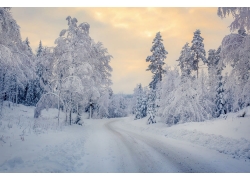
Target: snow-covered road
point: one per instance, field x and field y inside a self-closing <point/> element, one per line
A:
<point x="104" y="145"/>
<point x="114" y="148"/>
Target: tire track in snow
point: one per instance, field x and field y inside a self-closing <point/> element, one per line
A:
<point x="161" y="155"/>
<point x="145" y="157"/>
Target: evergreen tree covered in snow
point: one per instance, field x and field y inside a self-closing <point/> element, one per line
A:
<point x="220" y="99"/>
<point x="184" y="100"/>
<point x="27" y="43"/>
<point x="31" y="94"/>
<point x="151" y="110"/>
<point x="43" y="72"/>
<point x="140" y="108"/>
<point x="229" y="92"/>
<point x="144" y="102"/>
<point x="213" y="60"/>
<point x="198" y="51"/>
<point x="40" y="49"/>
<point x="186" y="61"/>
<point x="16" y="63"/>
<point x="156" y="60"/>
<point x="158" y="96"/>
<point x="215" y="67"/>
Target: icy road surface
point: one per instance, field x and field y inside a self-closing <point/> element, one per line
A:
<point x="112" y="148"/>
<point x="108" y="146"/>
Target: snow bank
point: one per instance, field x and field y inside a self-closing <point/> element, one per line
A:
<point x="40" y="145"/>
<point x="228" y="134"/>
<point x="37" y="145"/>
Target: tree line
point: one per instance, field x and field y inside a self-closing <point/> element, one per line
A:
<point x="187" y="93"/>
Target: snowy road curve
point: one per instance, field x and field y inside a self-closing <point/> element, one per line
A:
<point x="111" y="146"/>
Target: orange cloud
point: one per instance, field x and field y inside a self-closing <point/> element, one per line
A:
<point x="127" y="33"/>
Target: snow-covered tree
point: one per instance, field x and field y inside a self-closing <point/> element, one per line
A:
<point x="220" y="99"/>
<point x="231" y="46"/>
<point x="186" y="61"/>
<point x="204" y="96"/>
<point x="182" y="97"/>
<point x="16" y="64"/>
<point x="118" y="106"/>
<point x="81" y="71"/>
<point x="158" y="95"/>
<point x="235" y="52"/>
<point x="241" y="16"/>
<point x="101" y="110"/>
<point x="27" y="43"/>
<point x="198" y="51"/>
<point x="156" y="60"/>
<point x="212" y="62"/>
<point x="151" y="110"/>
<point x="215" y="67"/>
<point x="184" y="104"/>
<point x="169" y="83"/>
<point x="141" y="106"/>
<point x="40" y="49"/>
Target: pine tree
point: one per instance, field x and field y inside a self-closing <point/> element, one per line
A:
<point x="156" y="59"/>
<point x="40" y="49"/>
<point x="184" y="100"/>
<point x="140" y="108"/>
<point x="198" y="51"/>
<point x="144" y="103"/>
<point x="186" y="61"/>
<point x="215" y="67"/>
<point x="30" y="96"/>
<point x="27" y="42"/>
<point x="220" y="100"/>
<point x="16" y="63"/>
<point x="151" y="107"/>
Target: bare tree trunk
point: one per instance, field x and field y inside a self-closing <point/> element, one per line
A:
<point x="58" y="106"/>
<point x="66" y="115"/>
<point x="70" y="108"/>
<point x="2" y="92"/>
<point x="16" y="93"/>
<point x="70" y="116"/>
<point x="90" y="112"/>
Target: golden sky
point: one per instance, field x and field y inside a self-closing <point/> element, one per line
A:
<point x="127" y="33"/>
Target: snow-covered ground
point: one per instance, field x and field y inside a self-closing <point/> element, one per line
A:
<point x="229" y="134"/>
<point x="121" y="145"/>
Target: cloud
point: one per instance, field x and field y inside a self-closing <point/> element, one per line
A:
<point x="127" y="33"/>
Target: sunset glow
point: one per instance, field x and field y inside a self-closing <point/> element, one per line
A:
<point x="127" y="33"/>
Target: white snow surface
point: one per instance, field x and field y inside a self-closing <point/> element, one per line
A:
<point x="121" y="144"/>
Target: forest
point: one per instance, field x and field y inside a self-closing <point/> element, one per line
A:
<point x="74" y="76"/>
